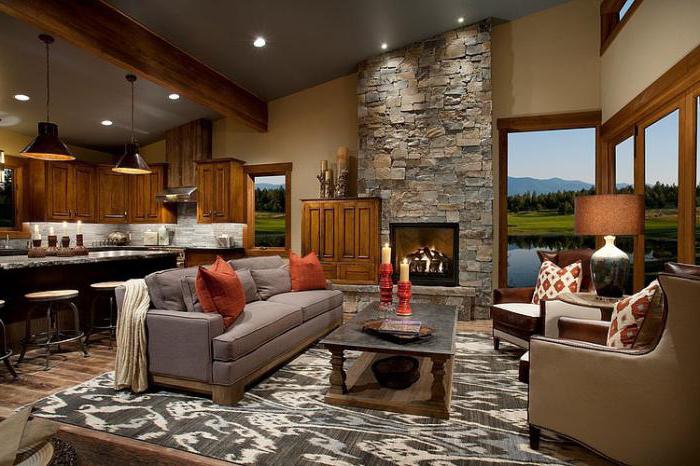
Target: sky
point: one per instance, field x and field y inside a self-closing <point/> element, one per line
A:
<point x="570" y="154"/>
<point x="277" y="179"/>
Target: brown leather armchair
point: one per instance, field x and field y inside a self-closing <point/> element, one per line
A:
<point x="516" y="319"/>
<point x="635" y="406"/>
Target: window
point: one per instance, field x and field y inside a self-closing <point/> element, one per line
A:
<point x="613" y="16"/>
<point x="269" y="215"/>
<point x="624" y="184"/>
<point x="11" y="199"/>
<point x="544" y="163"/>
<point x="8" y="211"/>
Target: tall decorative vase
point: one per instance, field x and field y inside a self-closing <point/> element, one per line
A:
<point x="386" y="286"/>
<point x="404" y="293"/>
<point x="609" y="268"/>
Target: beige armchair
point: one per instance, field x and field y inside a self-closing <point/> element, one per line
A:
<point x="638" y="406"/>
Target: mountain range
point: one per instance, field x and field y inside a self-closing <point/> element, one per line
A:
<point x="268" y="186"/>
<point x="550" y="185"/>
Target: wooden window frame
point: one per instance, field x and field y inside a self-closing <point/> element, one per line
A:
<point x="677" y="88"/>
<point x="610" y="22"/>
<point x="268" y="169"/>
<point x="19" y="230"/>
<point x="553" y="122"/>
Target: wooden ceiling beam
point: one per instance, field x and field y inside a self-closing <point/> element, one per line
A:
<point x="101" y="29"/>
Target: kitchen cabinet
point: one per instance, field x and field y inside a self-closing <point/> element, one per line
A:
<point x="220" y="195"/>
<point x="143" y="205"/>
<point x="344" y="234"/>
<point x="62" y="191"/>
<point x="112" y="196"/>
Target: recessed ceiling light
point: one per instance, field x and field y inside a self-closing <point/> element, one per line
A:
<point x="106" y="122"/>
<point x="174" y="96"/>
<point x="460" y="20"/>
<point x="21" y="97"/>
<point x="259" y="42"/>
<point x="384" y="46"/>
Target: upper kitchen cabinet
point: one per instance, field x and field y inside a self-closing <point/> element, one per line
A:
<point x="132" y="198"/>
<point x="62" y="191"/>
<point x="220" y="196"/>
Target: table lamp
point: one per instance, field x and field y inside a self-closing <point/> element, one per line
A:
<point x="608" y="215"/>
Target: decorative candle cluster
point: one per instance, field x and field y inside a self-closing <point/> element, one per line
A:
<point x="339" y="187"/>
<point x="386" y="285"/>
<point x="52" y="248"/>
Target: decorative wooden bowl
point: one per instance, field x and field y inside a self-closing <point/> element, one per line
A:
<point x="396" y="372"/>
<point x="372" y="327"/>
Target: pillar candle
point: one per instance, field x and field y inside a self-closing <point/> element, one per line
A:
<point x="403" y="275"/>
<point x="324" y="166"/>
<point x="386" y="254"/>
<point x="342" y="158"/>
<point x="329" y="175"/>
<point x="79" y="227"/>
<point x="36" y="235"/>
<point x="52" y="232"/>
<point x="64" y="228"/>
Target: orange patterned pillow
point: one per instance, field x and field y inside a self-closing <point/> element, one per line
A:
<point x="554" y="280"/>
<point x="629" y="314"/>
<point x="220" y="290"/>
<point x="306" y="272"/>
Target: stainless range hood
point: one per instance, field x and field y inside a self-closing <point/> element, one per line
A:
<point x="179" y="194"/>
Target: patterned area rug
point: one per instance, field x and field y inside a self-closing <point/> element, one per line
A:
<point x="283" y="420"/>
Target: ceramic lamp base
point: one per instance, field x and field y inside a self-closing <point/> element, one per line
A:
<point x="404" y="292"/>
<point x="609" y="269"/>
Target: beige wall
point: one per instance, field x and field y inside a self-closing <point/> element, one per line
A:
<point x="303" y="128"/>
<point x="154" y="152"/>
<point x="12" y="142"/>
<point x="548" y="62"/>
<point x="657" y="35"/>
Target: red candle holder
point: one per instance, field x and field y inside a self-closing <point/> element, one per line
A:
<point x="386" y="285"/>
<point x="404" y="292"/>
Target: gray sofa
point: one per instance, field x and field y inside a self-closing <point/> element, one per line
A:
<point x="189" y="349"/>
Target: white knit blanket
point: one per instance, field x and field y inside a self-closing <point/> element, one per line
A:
<point x="131" y="365"/>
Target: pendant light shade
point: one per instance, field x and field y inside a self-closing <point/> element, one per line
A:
<point x="131" y="163"/>
<point x="47" y="145"/>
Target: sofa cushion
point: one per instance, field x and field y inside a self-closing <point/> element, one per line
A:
<point x="165" y="288"/>
<point x="257" y="263"/>
<point x="219" y="290"/>
<point x="522" y="318"/>
<point x="306" y="272"/>
<point x="313" y="302"/>
<point x="553" y="280"/>
<point x="190" y="295"/>
<point x="270" y="282"/>
<point x="260" y="322"/>
<point x="629" y="315"/>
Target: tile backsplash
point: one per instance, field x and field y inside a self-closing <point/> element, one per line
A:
<point x="186" y="232"/>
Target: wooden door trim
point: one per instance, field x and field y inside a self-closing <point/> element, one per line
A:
<point x="610" y="22"/>
<point x="249" y="174"/>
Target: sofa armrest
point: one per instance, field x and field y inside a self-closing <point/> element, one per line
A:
<point x="592" y="331"/>
<point x="513" y="295"/>
<point x="180" y="343"/>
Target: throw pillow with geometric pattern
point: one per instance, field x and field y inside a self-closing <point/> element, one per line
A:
<point x="628" y="316"/>
<point x="554" y="280"/>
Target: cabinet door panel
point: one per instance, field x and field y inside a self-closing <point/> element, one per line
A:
<point x="355" y="273"/>
<point x="139" y="190"/>
<point x="347" y="232"/>
<point x="311" y="235"/>
<point x="84" y="193"/>
<point x="364" y="231"/>
<point x="205" y="189"/>
<point x="59" y="191"/>
<point x="328" y="232"/>
<point x="113" y="196"/>
<point x="222" y="192"/>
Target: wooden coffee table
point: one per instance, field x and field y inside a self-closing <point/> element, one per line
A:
<point x="429" y="396"/>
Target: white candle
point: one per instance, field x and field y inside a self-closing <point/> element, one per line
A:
<point x="403" y="275"/>
<point x="79" y="227"/>
<point x="37" y="235"/>
<point x="64" y="228"/>
<point x="51" y="232"/>
<point x="386" y="254"/>
<point x="324" y="166"/>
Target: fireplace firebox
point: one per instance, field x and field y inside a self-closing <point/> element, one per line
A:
<point x="432" y="251"/>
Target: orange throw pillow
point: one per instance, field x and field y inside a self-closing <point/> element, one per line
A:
<point x="220" y="290"/>
<point x="306" y="272"/>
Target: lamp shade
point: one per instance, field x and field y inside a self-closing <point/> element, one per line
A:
<point x="609" y="214"/>
<point x="131" y="163"/>
<point x="46" y="145"/>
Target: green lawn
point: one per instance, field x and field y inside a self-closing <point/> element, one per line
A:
<point x="269" y="229"/>
<point x="659" y="223"/>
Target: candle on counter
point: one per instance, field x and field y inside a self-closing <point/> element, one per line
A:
<point x="52" y="232"/>
<point x="403" y="272"/>
<point x="329" y="175"/>
<point x="36" y="235"/>
<point x="342" y="158"/>
<point x="386" y="254"/>
<point x="324" y="166"/>
<point x="79" y="227"/>
<point x="64" y="228"/>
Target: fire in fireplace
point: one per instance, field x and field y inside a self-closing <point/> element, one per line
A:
<point x="432" y="250"/>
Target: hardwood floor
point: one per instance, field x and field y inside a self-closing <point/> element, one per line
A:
<point x="69" y="368"/>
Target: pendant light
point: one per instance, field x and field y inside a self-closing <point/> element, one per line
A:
<point x="47" y="145"/>
<point x="131" y="163"/>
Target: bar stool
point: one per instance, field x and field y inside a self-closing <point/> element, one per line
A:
<point x="103" y="290"/>
<point x="5" y="351"/>
<point x="52" y="301"/>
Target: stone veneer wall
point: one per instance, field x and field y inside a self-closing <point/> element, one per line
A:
<point x="425" y="142"/>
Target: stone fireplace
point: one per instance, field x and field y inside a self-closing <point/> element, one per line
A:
<point x="431" y="249"/>
<point x="424" y="115"/>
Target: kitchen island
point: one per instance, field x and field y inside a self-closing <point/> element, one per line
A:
<point x="20" y="275"/>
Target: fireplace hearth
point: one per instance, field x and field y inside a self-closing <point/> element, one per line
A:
<point x="432" y="251"/>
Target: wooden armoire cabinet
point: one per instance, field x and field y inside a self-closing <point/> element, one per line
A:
<point x="344" y="234"/>
<point x="220" y="194"/>
<point x="62" y="191"/>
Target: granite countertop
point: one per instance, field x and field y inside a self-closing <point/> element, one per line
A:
<point x="22" y="262"/>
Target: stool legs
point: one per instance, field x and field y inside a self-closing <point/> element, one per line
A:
<point x="27" y="335"/>
<point x="5" y="352"/>
<point x="76" y="317"/>
<point x="111" y="325"/>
